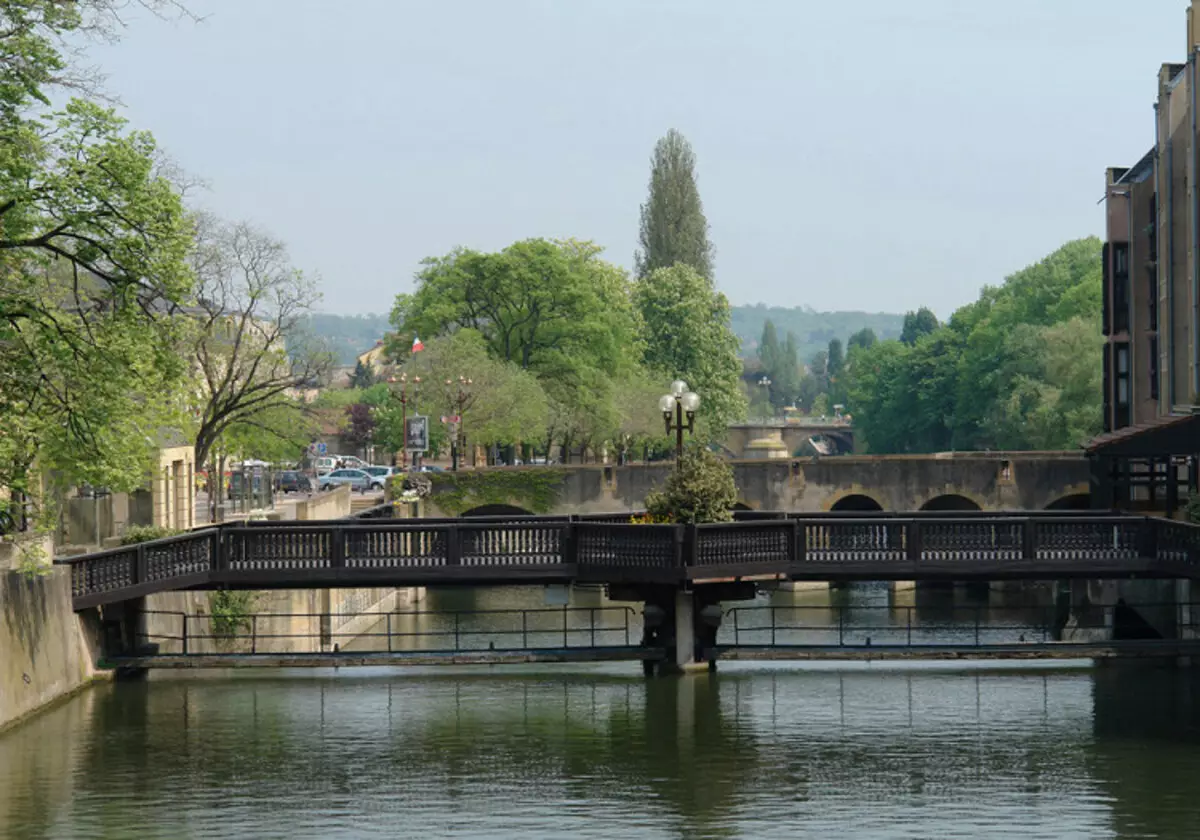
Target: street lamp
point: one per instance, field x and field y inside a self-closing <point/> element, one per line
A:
<point x="765" y="384"/>
<point x="461" y="399"/>
<point x="404" y="400"/>
<point x="675" y="406"/>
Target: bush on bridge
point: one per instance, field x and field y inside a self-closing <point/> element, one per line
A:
<point x="700" y="489"/>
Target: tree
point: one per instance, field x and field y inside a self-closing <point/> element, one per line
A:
<point x="363" y="376"/>
<point x="686" y="327"/>
<point x="247" y="343"/>
<point x="535" y="303"/>
<point x="916" y="324"/>
<point x="834" y="360"/>
<point x="673" y="228"/>
<point x="768" y="348"/>
<point x="863" y="338"/>
<point x="92" y="247"/>
<point x="700" y="489"/>
<point x="504" y="404"/>
<point x="361" y="424"/>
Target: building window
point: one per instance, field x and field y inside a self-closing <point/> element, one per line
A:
<point x="1152" y="229"/>
<point x="1121" y="397"/>
<point x="1120" y="287"/>
<point x="1153" y="367"/>
<point x="1108" y="389"/>
<point x="1153" y="307"/>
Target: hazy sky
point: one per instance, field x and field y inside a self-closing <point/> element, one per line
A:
<point x="873" y="154"/>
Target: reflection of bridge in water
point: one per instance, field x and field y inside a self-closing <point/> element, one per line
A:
<point x="1088" y="753"/>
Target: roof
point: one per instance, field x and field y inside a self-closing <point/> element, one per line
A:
<point x="1139" y="172"/>
<point x="1177" y="434"/>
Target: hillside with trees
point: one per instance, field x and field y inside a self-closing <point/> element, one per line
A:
<point x="812" y="330"/>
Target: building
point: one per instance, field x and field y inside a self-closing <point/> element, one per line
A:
<point x="1147" y="457"/>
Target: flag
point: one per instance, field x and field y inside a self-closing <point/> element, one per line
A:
<point x="417" y="345"/>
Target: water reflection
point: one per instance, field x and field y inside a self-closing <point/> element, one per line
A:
<point x="593" y="752"/>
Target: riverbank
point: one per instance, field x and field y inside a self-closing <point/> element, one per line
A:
<point x="47" y="652"/>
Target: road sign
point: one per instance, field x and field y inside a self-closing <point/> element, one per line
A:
<point x="416" y="434"/>
<point x="317" y="448"/>
<point x="453" y="418"/>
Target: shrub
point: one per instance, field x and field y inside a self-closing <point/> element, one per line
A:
<point x="1192" y="511"/>
<point x="135" y="534"/>
<point x="700" y="489"/>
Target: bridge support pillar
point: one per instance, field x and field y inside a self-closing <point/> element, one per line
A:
<point x="123" y="631"/>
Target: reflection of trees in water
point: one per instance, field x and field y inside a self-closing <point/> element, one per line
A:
<point x="693" y="753"/>
<point x="1146" y="753"/>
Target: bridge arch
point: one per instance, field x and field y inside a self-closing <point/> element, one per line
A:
<point x="1072" y="501"/>
<point x="497" y="510"/>
<point x="951" y="502"/>
<point x="856" y="502"/>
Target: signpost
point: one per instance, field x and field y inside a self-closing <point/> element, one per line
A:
<point x="416" y="434"/>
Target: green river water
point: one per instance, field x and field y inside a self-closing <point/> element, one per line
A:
<point x="865" y="750"/>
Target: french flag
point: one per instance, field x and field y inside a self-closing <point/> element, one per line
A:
<point x="417" y="345"/>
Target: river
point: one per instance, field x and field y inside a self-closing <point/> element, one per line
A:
<point x="867" y="750"/>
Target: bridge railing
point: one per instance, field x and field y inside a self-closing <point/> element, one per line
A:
<point x="562" y="549"/>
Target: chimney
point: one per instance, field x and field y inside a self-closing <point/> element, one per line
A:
<point x="1193" y="27"/>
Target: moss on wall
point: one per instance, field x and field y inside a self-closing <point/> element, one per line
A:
<point x="536" y="490"/>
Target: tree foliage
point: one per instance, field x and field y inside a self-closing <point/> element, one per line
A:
<point x="674" y="230"/>
<point x="916" y="324"/>
<point x="686" y="323"/>
<point x="700" y="489"/>
<point x="1018" y="369"/>
<point x="92" y="259"/>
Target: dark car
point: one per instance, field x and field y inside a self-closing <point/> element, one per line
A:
<point x="291" y="481"/>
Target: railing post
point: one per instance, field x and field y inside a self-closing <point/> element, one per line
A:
<point x="337" y="548"/>
<point x="453" y="547"/>
<point x="567" y="544"/>
<point x="254" y="634"/>
<point x="908" y="621"/>
<point x="1029" y="539"/>
<point x="185" y="633"/>
<point x="912" y="541"/>
<point x="389" y="631"/>
<point x="524" y="630"/>
<point x="456" y="644"/>
<point x="139" y="564"/>
<point x="1148" y="539"/>
<point x="592" y="616"/>
<point x="565" y="628"/>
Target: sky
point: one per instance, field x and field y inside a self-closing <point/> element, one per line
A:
<point x="875" y="154"/>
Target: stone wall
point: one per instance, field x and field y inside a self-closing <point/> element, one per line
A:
<point x="46" y="651"/>
<point x="989" y="481"/>
<point x="332" y="505"/>
<point x="288" y="620"/>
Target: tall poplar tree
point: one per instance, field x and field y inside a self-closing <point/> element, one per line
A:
<point x="673" y="228"/>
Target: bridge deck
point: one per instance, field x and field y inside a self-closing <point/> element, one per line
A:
<point x="525" y="550"/>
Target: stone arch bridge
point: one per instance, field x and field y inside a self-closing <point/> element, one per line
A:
<point x="943" y="482"/>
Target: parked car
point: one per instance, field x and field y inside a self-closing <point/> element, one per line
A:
<point x="357" y="479"/>
<point x="381" y="473"/>
<point x="291" y="481"/>
<point x="430" y="468"/>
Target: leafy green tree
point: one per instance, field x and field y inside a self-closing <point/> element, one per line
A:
<point x="674" y="230"/>
<point x="503" y="404"/>
<point x="700" y="489"/>
<point x="834" y="359"/>
<point x="363" y="376"/>
<point x="536" y="304"/>
<point x="863" y="338"/>
<point x="92" y="259"/>
<point x="769" y="349"/>
<point x="686" y="323"/>
<point x="916" y="324"/>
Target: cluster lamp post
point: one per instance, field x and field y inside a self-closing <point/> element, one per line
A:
<point x="460" y="401"/>
<point x="404" y="398"/>
<point x="676" y="406"/>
